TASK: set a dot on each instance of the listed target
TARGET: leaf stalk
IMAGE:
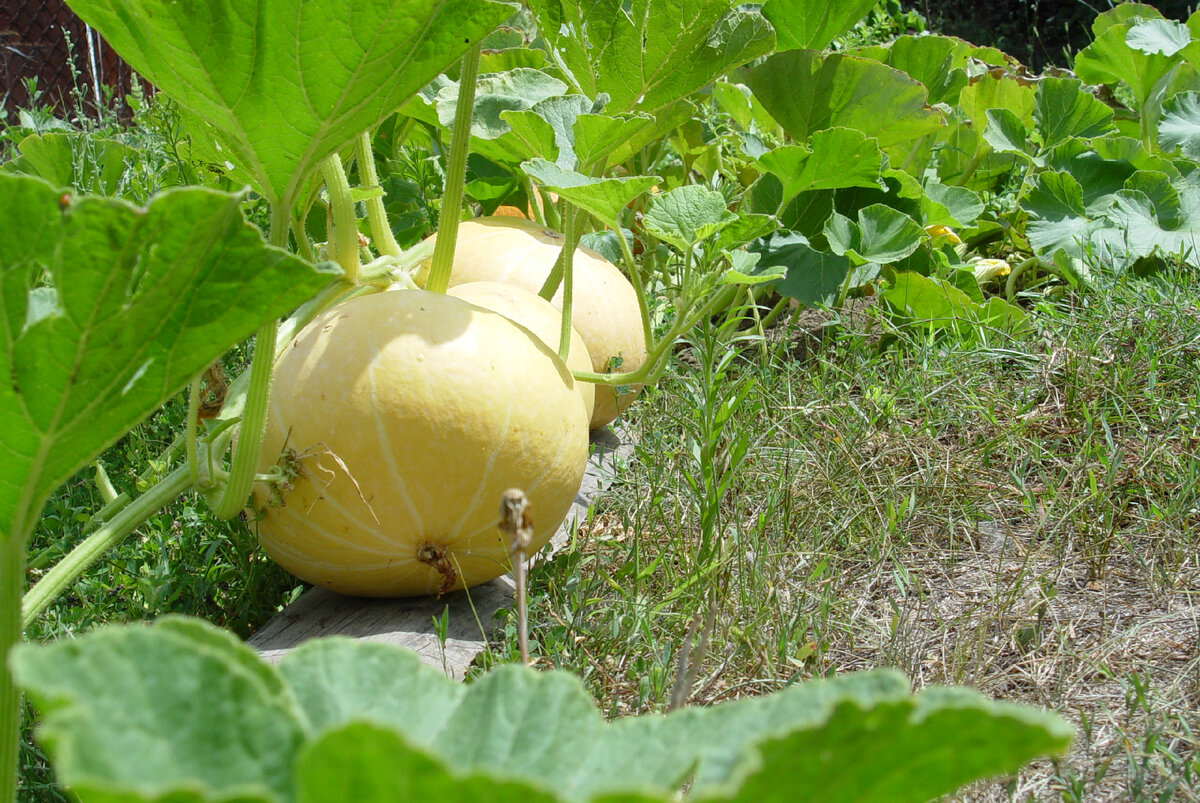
(109, 534)
(456, 172)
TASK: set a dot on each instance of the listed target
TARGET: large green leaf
(1111, 59)
(1180, 125)
(808, 92)
(199, 718)
(364, 763)
(814, 278)
(938, 62)
(1099, 178)
(881, 234)
(913, 732)
(1154, 214)
(602, 197)
(183, 708)
(831, 159)
(1057, 216)
(812, 24)
(997, 92)
(107, 310)
(1124, 12)
(653, 54)
(934, 304)
(687, 215)
(1164, 36)
(288, 82)
(1063, 109)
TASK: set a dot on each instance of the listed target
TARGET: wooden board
(410, 622)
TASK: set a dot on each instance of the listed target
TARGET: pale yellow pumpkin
(536, 314)
(404, 417)
(604, 308)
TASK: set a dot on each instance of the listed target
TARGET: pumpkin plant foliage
(284, 83)
(341, 720)
(108, 310)
(814, 174)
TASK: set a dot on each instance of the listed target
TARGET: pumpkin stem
(517, 522)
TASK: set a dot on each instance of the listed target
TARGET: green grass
(1021, 517)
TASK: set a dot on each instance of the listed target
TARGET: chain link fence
(43, 41)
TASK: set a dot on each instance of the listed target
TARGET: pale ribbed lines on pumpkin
(482, 488)
(389, 454)
(304, 521)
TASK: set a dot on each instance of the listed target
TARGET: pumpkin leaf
(812, 24)
(938, 62)
(881, 234)
(602, 197)
(1111, 60)
(931, 303)
(1063, 109)
(814, 278)
(360, 762)
(108, 310)
(653, 54)
(1180, 125)
(831, 158)
(198, 717)
(287, 83)
(211, 722)
(687, 215)
(806, 92)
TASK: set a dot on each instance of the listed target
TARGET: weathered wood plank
(409, 622)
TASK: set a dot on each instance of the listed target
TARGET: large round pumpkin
(401, 419)
(536, 314)
(604, 307)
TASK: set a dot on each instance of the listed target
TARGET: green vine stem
(776, 311)
(154, 471)
(103, 484)
(253, 428)
(343, 245)
(568, 263)
(456, 172)
(635, 275)
(656, 362)
(254, 418)
(1010, 286)
(535, 206)
(381, 232)
(12, 581)
(549, 209)
(67, 570)
(193, 422)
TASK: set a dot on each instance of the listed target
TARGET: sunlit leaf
(931, 303)
(938, 62)
(808, 92)
(142, 301)
(812, 24)
(1180, 125)
(832, 158)
(1063, 109)
(602, 197)
(200, 718)
(653, 54)
(881, 234)
(287, 82)
(687, 215)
